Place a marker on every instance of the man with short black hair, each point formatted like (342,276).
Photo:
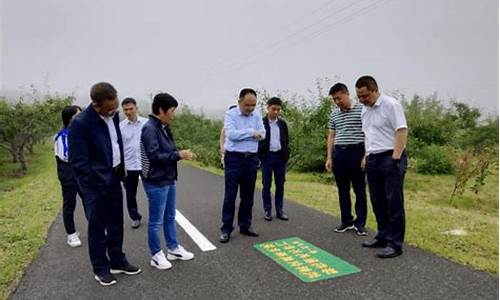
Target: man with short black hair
(131,134)
(96,155)
(244,129)
(273,154)
(346,149)
(385,129)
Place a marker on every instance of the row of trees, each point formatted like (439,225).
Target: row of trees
(443,138)
(26,123)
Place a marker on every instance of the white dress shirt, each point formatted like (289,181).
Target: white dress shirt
(274,141)
(131,135)
(380,123)
(114,140)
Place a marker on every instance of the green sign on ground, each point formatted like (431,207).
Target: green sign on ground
(304,260)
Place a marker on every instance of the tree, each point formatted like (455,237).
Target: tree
(23,125)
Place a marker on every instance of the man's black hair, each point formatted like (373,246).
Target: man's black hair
(246,91)
(274,101)
(338,87)
(129,100)
(368,82)
(101,92)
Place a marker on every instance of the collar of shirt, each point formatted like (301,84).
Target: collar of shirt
(242,114)
(379,100)
(349,108)
(106,118)
(138,121)
(273,121)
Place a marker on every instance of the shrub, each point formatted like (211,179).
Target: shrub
(435,159)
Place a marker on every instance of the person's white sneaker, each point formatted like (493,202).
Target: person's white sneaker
(179,253)
(160,262)
(74,240)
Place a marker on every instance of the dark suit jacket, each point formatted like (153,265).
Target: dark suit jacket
(159,153)
(90,151)
(284,140)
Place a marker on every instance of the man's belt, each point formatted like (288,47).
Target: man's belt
(241,154)
(350,146)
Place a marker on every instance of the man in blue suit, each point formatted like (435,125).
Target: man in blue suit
(96,155)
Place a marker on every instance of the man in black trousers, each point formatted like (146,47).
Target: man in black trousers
(96,155)
(243,129)
(273,154)
(345,150)
(131,128)
(385,129)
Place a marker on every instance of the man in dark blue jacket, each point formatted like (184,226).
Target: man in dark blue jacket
(96,155)
(273,154)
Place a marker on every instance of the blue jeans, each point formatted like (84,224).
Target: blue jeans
(161,201)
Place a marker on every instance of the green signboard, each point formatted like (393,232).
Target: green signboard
(304,260)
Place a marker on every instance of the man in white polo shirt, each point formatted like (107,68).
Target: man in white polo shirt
(385,129)
(131,133)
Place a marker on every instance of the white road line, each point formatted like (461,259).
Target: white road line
(195,234)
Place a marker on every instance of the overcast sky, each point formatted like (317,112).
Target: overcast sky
(204,52)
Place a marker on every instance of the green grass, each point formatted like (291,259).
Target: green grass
(428,214)
(28,205)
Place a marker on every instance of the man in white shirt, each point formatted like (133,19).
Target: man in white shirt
(385,129)
(131,134)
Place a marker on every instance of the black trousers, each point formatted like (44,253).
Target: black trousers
(104,208)
(385,180)
(69,188)
(347,171)
(275,163)
(130,183)
(239,171)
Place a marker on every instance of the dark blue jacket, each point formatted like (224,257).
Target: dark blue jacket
(159,154)
(284,140)
(90,151)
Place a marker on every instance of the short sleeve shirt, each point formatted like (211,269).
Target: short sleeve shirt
(380,123)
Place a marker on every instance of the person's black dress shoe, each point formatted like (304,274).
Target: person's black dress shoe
(373,244)
(267,216)
(282,216)
(389,252)
(248,232)
(224,237)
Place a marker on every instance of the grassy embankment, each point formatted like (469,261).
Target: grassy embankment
(28,206)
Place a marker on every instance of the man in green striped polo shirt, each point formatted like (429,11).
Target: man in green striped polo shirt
(345,151)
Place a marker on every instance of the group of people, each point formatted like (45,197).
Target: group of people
(95,153)
(365,140)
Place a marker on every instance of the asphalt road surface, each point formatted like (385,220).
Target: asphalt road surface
(237,270)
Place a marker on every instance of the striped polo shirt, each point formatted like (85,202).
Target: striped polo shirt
(347,125)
